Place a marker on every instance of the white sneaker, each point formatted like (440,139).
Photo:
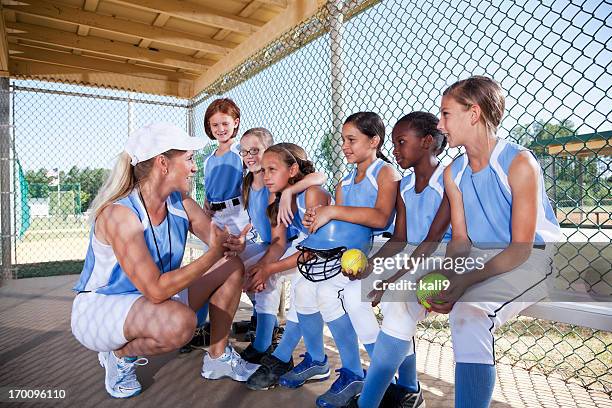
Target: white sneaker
(229,364)
(120,379)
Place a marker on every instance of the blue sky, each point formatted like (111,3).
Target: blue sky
(552,57)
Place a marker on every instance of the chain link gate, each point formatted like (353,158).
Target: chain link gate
(552,58)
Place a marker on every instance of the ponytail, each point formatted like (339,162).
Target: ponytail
(380,155)
(246,188)
(119,183)
(122,179)
(423,124)
(371,125)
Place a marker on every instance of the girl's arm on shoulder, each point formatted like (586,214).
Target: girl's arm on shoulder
(285,214)
(317,196)
(124,232)
(377,217)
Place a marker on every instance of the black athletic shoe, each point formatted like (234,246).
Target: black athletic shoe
(397,396)
(200,339)
(251,354)
(268,373)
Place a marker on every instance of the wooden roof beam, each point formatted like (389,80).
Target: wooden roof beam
(44,35)
(59,73)
(31,53)
(90,5)
(160,21)
(73,15)
(4,50)
(277,3)
(245,12)
(298,11)
(196,13)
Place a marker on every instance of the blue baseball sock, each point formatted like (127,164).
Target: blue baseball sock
(346,340)
(370,349)
(263,333)
(388,356)
(312,330)
(408,374)
(289,341)
(474,385)
(202,314)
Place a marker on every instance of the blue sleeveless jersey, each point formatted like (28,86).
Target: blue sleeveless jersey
(365,193)
(487,199)
(258,203)
(223,175)
(103,274)
(421,208)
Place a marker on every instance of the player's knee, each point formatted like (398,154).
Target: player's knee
(179,327)
(465,317)
(330,307)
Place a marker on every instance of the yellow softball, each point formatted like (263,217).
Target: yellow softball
(354,261)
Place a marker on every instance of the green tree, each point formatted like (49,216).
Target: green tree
(38,183)
(539,131)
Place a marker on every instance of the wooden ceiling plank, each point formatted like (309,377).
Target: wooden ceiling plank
(73,15)
(299,11)
(90,5)
(96,64)
(277,3)
(107,47)
(245,12)
(63,74)
(196,13)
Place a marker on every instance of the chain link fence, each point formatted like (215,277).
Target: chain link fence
(552,58)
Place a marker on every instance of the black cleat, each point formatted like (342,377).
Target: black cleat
(397,396)
(251,354)
(268,374)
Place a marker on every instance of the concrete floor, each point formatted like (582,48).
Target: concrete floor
(38,351)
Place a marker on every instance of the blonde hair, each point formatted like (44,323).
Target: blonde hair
(484,92)
(266,139)
(122,179)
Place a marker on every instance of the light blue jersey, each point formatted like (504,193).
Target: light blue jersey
(421,208)
(365,193)
(223,175)
(258,203)
(103,274)
(487,199)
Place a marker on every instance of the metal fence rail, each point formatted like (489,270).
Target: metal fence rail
(553,58)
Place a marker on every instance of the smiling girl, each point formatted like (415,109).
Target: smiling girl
(276,243)
(223,168)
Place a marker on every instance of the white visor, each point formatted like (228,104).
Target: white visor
(157,138)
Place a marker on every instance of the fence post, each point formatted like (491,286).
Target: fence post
(130,114)
(5,180)
(336,19)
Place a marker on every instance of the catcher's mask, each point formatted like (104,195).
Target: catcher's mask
(320,253)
